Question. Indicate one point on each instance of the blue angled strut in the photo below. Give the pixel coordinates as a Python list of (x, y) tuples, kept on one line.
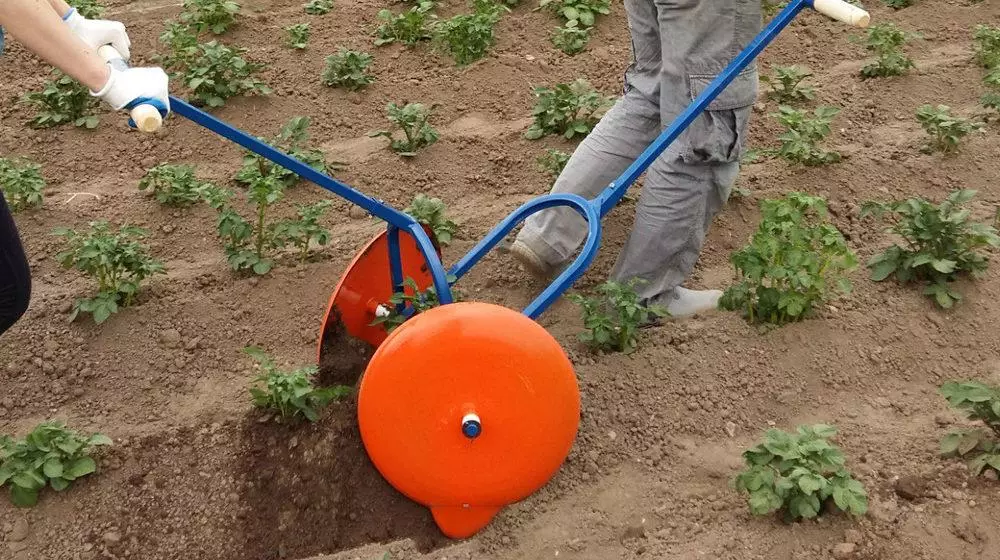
[(591, 210)]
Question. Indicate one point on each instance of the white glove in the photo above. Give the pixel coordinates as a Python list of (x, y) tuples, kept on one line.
[(99, 32), (136, 86)]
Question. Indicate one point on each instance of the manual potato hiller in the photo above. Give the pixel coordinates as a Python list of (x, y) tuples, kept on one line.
[(470, 406)]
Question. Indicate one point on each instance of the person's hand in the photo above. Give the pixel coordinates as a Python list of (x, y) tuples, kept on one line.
[(99, 32), (136, 86)]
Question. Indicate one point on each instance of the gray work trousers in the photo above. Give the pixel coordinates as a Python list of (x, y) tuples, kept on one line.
[(678, 47)]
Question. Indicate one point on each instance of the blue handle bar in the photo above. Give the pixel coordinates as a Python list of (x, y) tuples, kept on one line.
[(591, 210)]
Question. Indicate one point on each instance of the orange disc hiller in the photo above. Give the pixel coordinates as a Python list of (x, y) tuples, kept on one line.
[(468, 407)]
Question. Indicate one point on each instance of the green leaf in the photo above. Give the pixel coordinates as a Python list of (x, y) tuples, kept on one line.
[(23, 497), (53, 468), (59, 484), (81, 467)]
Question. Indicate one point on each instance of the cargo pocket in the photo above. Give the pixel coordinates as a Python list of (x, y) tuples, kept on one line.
[(718, 134)]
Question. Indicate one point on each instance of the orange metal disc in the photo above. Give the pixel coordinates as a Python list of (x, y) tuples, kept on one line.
[(367, 282), (456, 362)]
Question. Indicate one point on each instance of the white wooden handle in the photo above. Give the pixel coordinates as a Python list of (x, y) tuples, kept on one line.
[(842, 11), (146, 117)]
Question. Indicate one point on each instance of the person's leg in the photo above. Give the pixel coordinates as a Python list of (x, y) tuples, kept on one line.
[(690, 182), (15, 276), (550, 237)]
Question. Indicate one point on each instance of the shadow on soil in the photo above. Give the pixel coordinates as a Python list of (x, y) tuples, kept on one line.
[(311, 489)]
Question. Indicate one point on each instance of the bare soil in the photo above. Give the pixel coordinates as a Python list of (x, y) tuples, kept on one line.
[(195, 473)]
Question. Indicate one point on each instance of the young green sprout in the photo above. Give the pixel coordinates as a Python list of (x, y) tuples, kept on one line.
[(582, 13), (318, 7), (567, 109), (348, 69), (432, 212), (63, 100), (796, 260), (798, 474), (117, 260), (412, 120), (612, 320), (980, 446), (941, 244), (210, 15), (408, 28), (290, 394), (217, 73), (800, 144), (945, 130), (886, 40), (468, 37), (21, 183), (51, 455), (298, 35), (175, 185), (553, 162), (786, 84), (571, 38)]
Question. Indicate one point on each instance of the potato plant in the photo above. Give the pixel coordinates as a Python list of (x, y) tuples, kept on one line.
[(613, 318), (412, 300), (318, 7), (90, 9), (209, 15), (408, 28), (786, 84), (51, 455), (117, 260), (898, 4), (348, 69), (987, 46), (980, 447), (571, 38), (412, 120), (250, 245), (290, 394), (182, 48), (553, 162), (468, 37), (795, 261), (63, 100), (298, 36), (21, 183), (945, 130), (584, 12), (941, 244), (800, 143), (174, 185), (218, 72), (432, 212), (797, 474), (567, 109), (886, 40), (305, 230), (293, 139)]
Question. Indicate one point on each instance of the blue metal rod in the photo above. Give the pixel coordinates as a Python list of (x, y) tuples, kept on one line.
[(584, 207), (397, 220), (616, 190)]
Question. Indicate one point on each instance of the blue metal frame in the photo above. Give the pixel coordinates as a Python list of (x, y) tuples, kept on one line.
[(591, 210)]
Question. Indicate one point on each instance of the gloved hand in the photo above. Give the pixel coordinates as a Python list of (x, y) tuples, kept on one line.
[(136, 86), (98, 32)]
